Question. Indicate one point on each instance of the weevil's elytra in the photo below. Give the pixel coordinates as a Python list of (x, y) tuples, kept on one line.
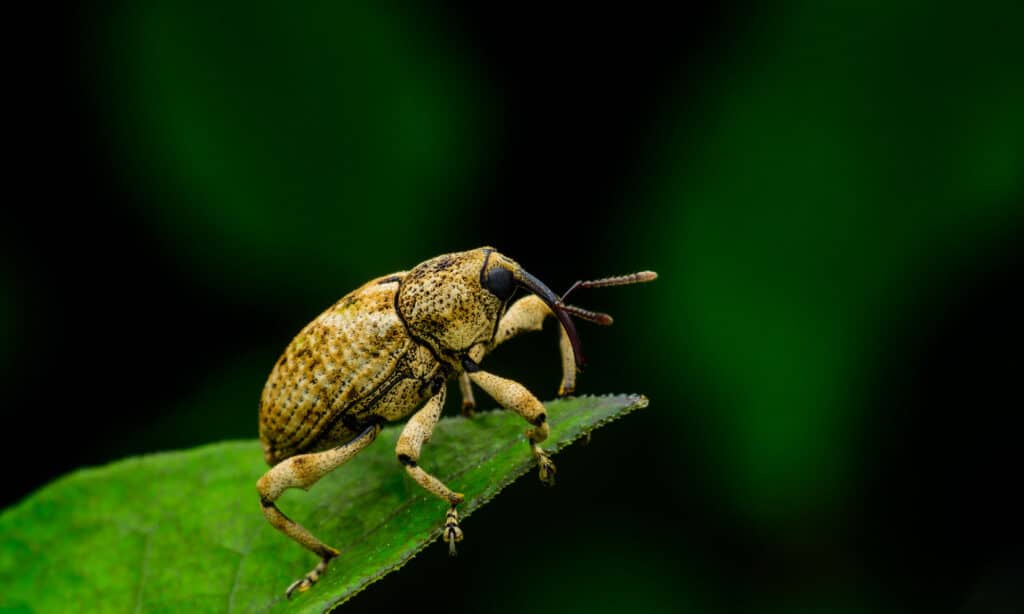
[(384, 352)]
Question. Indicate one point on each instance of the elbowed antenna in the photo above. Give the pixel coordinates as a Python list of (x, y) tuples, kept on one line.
[(596, 316), (562, 310), (535, 285), (618, 280)]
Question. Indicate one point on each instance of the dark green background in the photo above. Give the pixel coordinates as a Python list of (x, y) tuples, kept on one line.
[(833, 194)]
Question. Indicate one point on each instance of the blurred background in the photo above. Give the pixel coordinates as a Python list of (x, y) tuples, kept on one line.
[(833, 194)]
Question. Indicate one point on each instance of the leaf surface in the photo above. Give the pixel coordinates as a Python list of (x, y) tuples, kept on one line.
[(183, 530)]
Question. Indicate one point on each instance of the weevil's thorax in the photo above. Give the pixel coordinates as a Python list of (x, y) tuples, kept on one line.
[(445, 306)]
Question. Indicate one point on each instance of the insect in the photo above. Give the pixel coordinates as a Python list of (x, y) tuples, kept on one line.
[(387, 350)]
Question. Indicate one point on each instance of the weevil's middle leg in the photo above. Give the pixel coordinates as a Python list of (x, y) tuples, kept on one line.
[(302, 471), (416, 432), (466, 389), (514, 396)]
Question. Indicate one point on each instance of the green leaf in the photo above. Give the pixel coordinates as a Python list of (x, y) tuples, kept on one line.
[(183, 530)]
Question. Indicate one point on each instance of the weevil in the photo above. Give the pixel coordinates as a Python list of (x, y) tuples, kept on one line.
[(387, 350)]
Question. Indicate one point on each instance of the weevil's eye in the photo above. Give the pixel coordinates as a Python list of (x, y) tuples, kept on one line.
[(498, 282)]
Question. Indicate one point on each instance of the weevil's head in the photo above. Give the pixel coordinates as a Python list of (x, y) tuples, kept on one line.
[(455, 301)]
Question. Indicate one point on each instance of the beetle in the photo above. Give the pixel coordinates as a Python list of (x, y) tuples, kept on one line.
[(387, 350)]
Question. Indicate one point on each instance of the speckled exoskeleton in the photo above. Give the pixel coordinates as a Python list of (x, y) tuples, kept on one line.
[(389, 348)]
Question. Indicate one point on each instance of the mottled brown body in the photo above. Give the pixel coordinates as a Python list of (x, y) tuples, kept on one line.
[(376, 354), (353, 366), (385, 351)]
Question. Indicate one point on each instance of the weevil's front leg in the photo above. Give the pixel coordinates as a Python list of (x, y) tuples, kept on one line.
[(568, 385), (417, 432), (302, 471), (514, 396), (527, 315)]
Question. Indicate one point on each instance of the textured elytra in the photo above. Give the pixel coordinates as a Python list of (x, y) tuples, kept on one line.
[(353, 348)]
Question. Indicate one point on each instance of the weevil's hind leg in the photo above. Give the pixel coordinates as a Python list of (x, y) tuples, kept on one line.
[(417, 431), (527, 315), (514, 396), (302, 471)]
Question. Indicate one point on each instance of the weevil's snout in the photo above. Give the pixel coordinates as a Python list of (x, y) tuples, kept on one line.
[(536, 286), (500, 275)]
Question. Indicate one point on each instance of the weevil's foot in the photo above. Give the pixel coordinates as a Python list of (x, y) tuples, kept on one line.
[(305, 583), (452, 533), (302, 585), (546, 469), (566, 391), (468, 409)]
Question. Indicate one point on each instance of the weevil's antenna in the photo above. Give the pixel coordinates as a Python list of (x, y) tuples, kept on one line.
[(618, 280), (595, 316), (585, 314)]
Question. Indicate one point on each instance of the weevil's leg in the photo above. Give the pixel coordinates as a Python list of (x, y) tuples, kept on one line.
[(302, 471), (568, 385), (527, 315), (417, 432), (514, 396), (468, 402)]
